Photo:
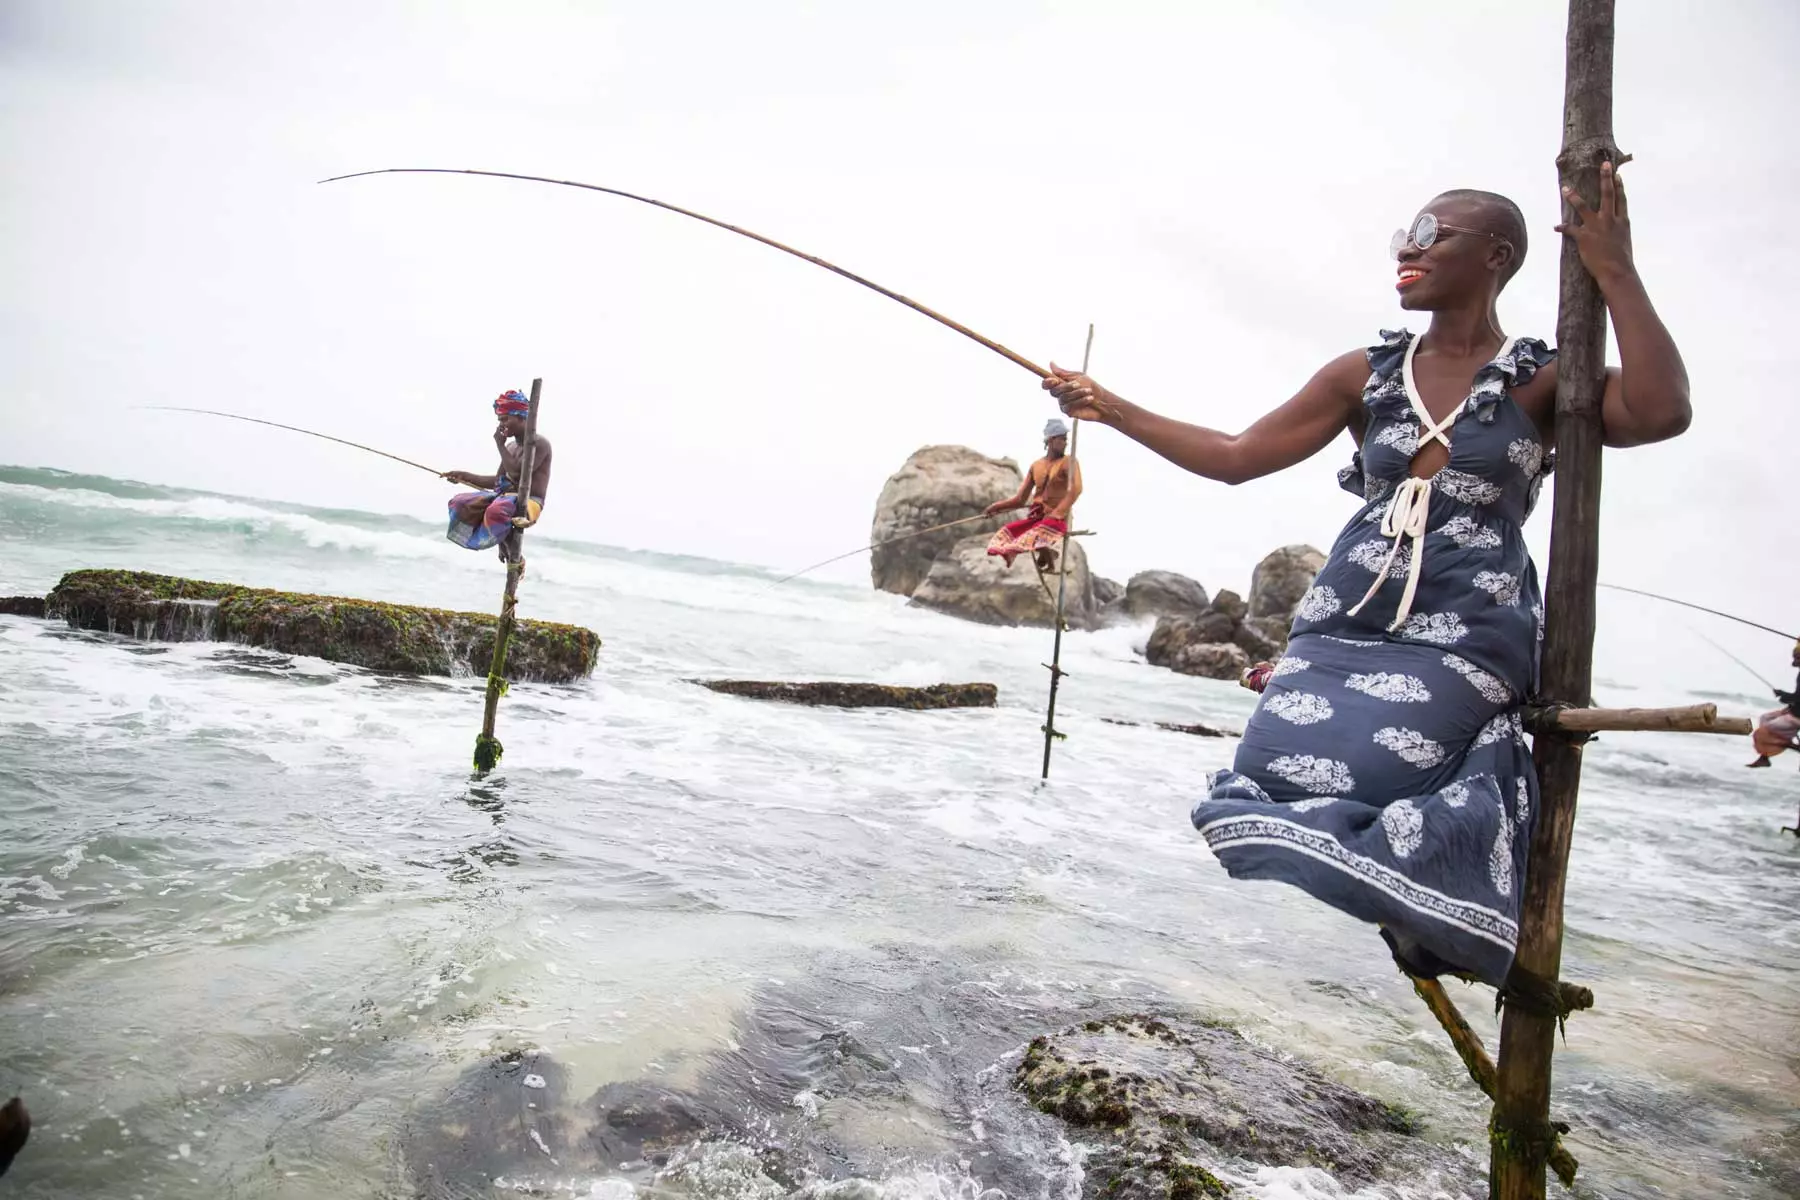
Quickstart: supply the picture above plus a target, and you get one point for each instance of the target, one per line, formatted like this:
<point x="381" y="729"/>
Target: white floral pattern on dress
<point x="1401" y="435"/>
<point x="1440" y="629"/>
<point x="1388" y="685"/>
<point x="1504" y="726"/>
<point x="1376" y="489"/>
<point x="1492" y="688"/>
<point x="1537" y="614"/>
<point x="1455" y="794"/>
<point x="1372" y="555"/>
<point x="1470" y="489"/>
<point x="1500" y="858"/>
<point x="1306" y="806"/>
<point x="1344" y="641"/>
<point x="1405" y="827"/>
<point x="1320" y="776"/>
<point x="1501" y="585"/>
<point x="1527" y="455"/>
<point x="1299" y="708"/>
<point x="1411" y="745"/>
<point x="1318" y="603"/>
<point x="1523" y="808"/>
<point x="1470" y="534"/>
<point x="1289" y="665"/>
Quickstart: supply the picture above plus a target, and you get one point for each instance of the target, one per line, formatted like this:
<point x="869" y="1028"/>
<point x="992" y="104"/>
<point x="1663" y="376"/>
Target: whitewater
<point x="256" y="916"/>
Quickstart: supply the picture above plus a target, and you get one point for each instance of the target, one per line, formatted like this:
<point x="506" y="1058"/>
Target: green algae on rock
<point x="861" y="695"/>
<point x="401" y="638"/>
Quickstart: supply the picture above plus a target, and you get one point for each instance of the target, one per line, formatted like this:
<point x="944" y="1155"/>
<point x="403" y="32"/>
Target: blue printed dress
<point x="1384" y="770"/>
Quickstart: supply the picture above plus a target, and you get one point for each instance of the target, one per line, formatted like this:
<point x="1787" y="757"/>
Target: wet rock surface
<point x="1281" y="579"/>
<point x="1231" y="633"/>
<point x="860" y="695"/>
<point x="935" y="485"/>
<point x="22" y="606"/>
<point x="399" y="638"/>
<point x="1165" y="1097"/>
<point x="970" y="583"/>
<point x="1164" y="594"/>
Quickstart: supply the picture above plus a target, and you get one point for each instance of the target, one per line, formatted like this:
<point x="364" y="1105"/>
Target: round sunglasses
<point x="1424" y="234"/>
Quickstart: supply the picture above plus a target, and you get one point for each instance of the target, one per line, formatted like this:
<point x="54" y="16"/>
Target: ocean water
<point x="256" y="917"/>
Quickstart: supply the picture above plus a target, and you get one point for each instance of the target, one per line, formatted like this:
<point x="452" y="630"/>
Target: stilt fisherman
<point x="1779" y="728"/>
<point x="483" y="518"/>
<point x="1052" y="486"/>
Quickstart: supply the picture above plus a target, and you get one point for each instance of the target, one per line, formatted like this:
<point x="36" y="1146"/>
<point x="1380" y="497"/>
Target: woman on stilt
<point x="1384" y="770"/>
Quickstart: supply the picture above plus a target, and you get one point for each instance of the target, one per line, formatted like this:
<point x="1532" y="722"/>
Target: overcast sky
<point x="1212" y="184"/>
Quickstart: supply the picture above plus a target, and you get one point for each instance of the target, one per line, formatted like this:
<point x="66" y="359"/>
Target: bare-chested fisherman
<point x="482" y="519"/>
<point x="1052" y="486"/>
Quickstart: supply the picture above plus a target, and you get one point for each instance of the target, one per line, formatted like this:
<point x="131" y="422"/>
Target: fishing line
<point x="292" y="429"/>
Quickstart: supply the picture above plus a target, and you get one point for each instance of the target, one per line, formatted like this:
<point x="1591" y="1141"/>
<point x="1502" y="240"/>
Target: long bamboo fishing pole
<point x="980" y="516"/>
<point x="1062" y="578"/>
<point x="1702" y="608"/>
<point x="291" y="429"/>
<point x="487" y="747"/>
<point x="816" y="261"/>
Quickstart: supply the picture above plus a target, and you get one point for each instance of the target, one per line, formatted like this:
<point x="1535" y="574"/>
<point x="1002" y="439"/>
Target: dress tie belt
<point x="1405" y="519"/>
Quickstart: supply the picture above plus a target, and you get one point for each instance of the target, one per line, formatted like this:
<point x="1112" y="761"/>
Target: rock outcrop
<point x="861" y="695"/>
<point x="936" y="485"/>
<point x="22" y="606"/>
<point x="967" y="582"/>
<point x="1163" y="1102"/>
<point x="1280" y="579"/>
<point x="1164" y="594"/>
<point x="1231" y="633"/>
<point x="381" y="637"/>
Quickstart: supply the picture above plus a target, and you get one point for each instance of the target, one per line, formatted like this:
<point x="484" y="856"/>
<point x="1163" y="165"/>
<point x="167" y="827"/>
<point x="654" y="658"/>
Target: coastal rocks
<point x="1164" y="1102"/>
<point x="15" y="1128"/>
<point x="967" y="582"/>
<point x="861" y="695"/>
<point x="1281" y="579"/>
<point x="1164" y="594"/>
<point x="22" y="606"/>
<point x="936" y="485"/>
<point x="382" y="637"/>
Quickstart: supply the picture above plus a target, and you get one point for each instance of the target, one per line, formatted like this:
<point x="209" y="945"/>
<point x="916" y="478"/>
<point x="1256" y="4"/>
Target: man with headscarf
<point x="1779" y="728"/>
<point x="484" y="518"/>
<point x="1051" y="487"/>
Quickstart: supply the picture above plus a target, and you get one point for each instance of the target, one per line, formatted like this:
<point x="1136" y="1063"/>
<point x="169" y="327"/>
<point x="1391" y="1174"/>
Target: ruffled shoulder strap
<point x="1386" y="355"/>
<point x="1513" y="367"/>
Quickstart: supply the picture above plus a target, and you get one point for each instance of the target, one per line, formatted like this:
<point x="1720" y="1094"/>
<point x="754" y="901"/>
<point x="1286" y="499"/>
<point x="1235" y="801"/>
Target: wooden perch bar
<point x="1693" y="718"/>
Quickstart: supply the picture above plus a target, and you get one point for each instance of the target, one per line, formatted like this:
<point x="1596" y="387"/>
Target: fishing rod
<point x="816" y="261"/>
<point x="292" y="429"/>
<point x="878" y="545"/>
<point x="1753" y="672"/>
<point x="1702" y="608"/>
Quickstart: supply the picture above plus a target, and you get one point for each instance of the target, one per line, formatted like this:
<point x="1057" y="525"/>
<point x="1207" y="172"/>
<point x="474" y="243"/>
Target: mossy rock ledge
<point x="1166" y="1102"/>
<point x="860" y="695"/>
<point x="400" y="638"/>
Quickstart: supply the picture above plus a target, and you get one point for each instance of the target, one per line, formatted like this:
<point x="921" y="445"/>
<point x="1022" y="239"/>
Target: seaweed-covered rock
<point x="937" y="484"/>
<point x="1161" y="1098"/>
<point x="21" y="606"/>
<point x="861" y="695"/>
<point x="383" y="637"/>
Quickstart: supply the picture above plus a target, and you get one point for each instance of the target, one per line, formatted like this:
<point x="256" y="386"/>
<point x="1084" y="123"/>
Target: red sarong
<point x="1035" y="532"/>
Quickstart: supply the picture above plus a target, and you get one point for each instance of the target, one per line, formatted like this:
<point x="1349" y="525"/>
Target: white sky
<point x="1212" y="184"/>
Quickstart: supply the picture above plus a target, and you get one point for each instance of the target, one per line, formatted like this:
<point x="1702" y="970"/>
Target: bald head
<point x="1493" y="213"/>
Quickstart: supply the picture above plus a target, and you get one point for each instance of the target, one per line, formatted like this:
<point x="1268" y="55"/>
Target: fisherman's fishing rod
<point x="884" y="542"/>
<point x="292" y="429"/>
<point x="1750" y="670"/>
<point x="996" y="347"/>
<point x="1702" y="608"/>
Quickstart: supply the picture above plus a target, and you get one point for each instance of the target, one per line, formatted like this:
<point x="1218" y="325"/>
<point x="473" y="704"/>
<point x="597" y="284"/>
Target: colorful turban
<point x="511" y="404"/>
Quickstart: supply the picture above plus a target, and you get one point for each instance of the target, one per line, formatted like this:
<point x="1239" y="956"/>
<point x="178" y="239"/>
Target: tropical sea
<point x="257" y="918"/>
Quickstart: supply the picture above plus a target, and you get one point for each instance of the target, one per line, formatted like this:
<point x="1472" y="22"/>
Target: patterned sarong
<point x="496" y="521"/>
<point x="1776" y="730"/>
<point x="1035" y="532"/>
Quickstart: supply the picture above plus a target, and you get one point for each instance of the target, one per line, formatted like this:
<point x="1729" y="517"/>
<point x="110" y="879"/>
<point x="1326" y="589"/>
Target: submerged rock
<point x="1160" y="1098"/>
<point x="970" y="583"/>
<point x="861" y="695"/>
<point x="937" y="484"/>
<point x="382" y="637"/>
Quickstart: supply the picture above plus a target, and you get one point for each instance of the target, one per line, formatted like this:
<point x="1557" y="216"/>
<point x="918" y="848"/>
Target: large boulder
<point x="967" y="582"/>
<point x="1211" y="660"/>
<point x="1163" y="594"/>
<point x="937" y="484"/>
<point x="1281" y="578"/>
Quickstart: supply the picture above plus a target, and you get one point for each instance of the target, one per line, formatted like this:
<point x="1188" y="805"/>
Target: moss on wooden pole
<point x="487" y="747"/>
<point x="1521" y="1133"/>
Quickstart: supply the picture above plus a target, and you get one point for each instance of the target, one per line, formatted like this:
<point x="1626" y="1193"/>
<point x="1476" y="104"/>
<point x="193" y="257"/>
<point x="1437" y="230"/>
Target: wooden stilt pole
<point x="1062" y="583"/>
<point x="1520" y="1134"/>
<point x="487" y="746"/>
